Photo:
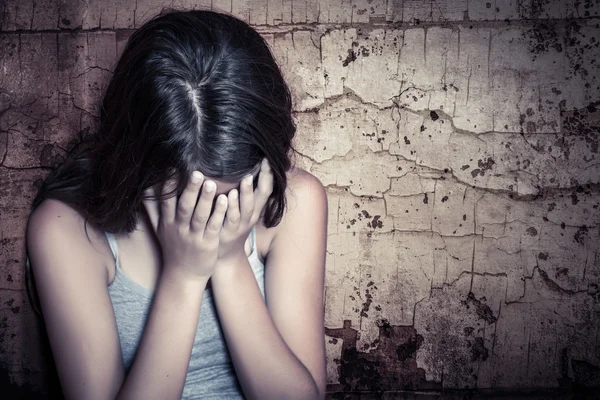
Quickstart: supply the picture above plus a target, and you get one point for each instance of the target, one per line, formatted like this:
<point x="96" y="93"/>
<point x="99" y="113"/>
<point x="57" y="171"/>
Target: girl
<point x="179" y="254"/>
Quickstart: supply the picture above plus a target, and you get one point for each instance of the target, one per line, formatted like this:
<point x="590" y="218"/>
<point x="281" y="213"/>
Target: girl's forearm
<point x="264" y="364"/>
<point x="161" y="362"/>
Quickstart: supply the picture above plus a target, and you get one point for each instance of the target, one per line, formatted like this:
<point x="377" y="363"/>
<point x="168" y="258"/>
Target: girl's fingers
<point x="187" y="200"/>
<point x="168" y="206"/>
<point x="232" y="219"/>
<point x="213" y="228"/>
<point x="246" y="199"/>
<point x="151" y="205"/>
<point x="203" y="206"/>
<point x="265" y="185"/>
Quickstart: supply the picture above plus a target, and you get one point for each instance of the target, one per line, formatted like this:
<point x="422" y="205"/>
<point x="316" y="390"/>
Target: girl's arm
<point x="161" y="363"/>
<point x="72" y="287"/>
<point x="278" y="349"/>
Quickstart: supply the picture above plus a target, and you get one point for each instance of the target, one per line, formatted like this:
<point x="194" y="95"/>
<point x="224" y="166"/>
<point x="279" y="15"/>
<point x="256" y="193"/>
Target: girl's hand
<point x="243" y="213"/>
<point x="189" y="237"/>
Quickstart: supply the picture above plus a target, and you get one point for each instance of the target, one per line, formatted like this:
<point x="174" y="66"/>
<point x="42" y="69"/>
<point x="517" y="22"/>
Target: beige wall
<point x="458" y="141"/>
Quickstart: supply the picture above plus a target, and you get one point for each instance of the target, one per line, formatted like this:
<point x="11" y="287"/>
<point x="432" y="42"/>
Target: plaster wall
<point x="458" y="142"/>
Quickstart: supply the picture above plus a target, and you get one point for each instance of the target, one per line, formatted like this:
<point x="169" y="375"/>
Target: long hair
<point x="192" y="90"/>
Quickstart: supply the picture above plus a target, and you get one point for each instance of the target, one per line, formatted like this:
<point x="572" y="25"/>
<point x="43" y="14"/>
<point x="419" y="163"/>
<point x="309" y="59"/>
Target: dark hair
<point x="192" y="90"/>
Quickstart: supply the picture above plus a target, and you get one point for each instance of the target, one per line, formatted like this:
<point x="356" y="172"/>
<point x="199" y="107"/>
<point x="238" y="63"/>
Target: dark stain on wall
<point x="578" y="45"/>
<point x="391" y="363"/>
<point x="408" y="349"/>
<point x="581" y="235"/>
<point x="543" y="37"/>
<point x="483" y="166"/>
<point x="13" y="309"/>
<point x="478" y="350"/>
<point x="350" y="58"/>
<point x="585" y="373"/>
<point x="369" y="299"/>
<point x="583" y="122"/>
<point x="559" y="36"/>
<point x="551" y="284"/>
<point x="483" y="311"/>
<point x="531" y="231"/>
<point x="376" y="222"/>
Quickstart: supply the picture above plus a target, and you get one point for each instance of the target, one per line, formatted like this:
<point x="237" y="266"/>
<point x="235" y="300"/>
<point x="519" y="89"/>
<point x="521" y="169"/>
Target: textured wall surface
<point x="458" y="141"/>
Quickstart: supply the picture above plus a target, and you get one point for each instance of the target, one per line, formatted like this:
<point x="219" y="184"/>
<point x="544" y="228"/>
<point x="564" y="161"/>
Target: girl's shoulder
<point x="302" y="187"/>
<point x="299" y="178"/>
<point x="55" y="224"/>
<point x="302" y="184"/>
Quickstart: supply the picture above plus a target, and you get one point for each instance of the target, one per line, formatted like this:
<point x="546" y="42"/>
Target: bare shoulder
<point x="51" y="217"/>
<point x="304" y="194"/>
<point x="55" y="217"/>
<point x="55" y="224"/>
<point x="304" y="187"/>
<point x="306" y="201"/>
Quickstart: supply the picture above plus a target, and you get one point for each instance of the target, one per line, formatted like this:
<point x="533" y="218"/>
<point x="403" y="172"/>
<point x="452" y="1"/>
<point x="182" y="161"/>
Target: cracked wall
<point x="458" y="141"/>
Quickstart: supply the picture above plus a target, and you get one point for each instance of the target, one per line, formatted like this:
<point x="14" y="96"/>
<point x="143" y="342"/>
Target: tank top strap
<point x="112" y="242"/>
<point x="253" y="239"/>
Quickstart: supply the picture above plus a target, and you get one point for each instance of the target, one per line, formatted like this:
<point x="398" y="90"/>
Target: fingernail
<point x="248" y="180"/>
<point x="222" y="199"/>
<point x="234" y="194"/>
<point x="196" y="177"/>
<point x="210" y="186"/>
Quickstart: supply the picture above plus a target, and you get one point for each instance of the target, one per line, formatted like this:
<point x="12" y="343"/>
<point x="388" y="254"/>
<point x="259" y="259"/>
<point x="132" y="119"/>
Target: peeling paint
<point x="458" y="143"/>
